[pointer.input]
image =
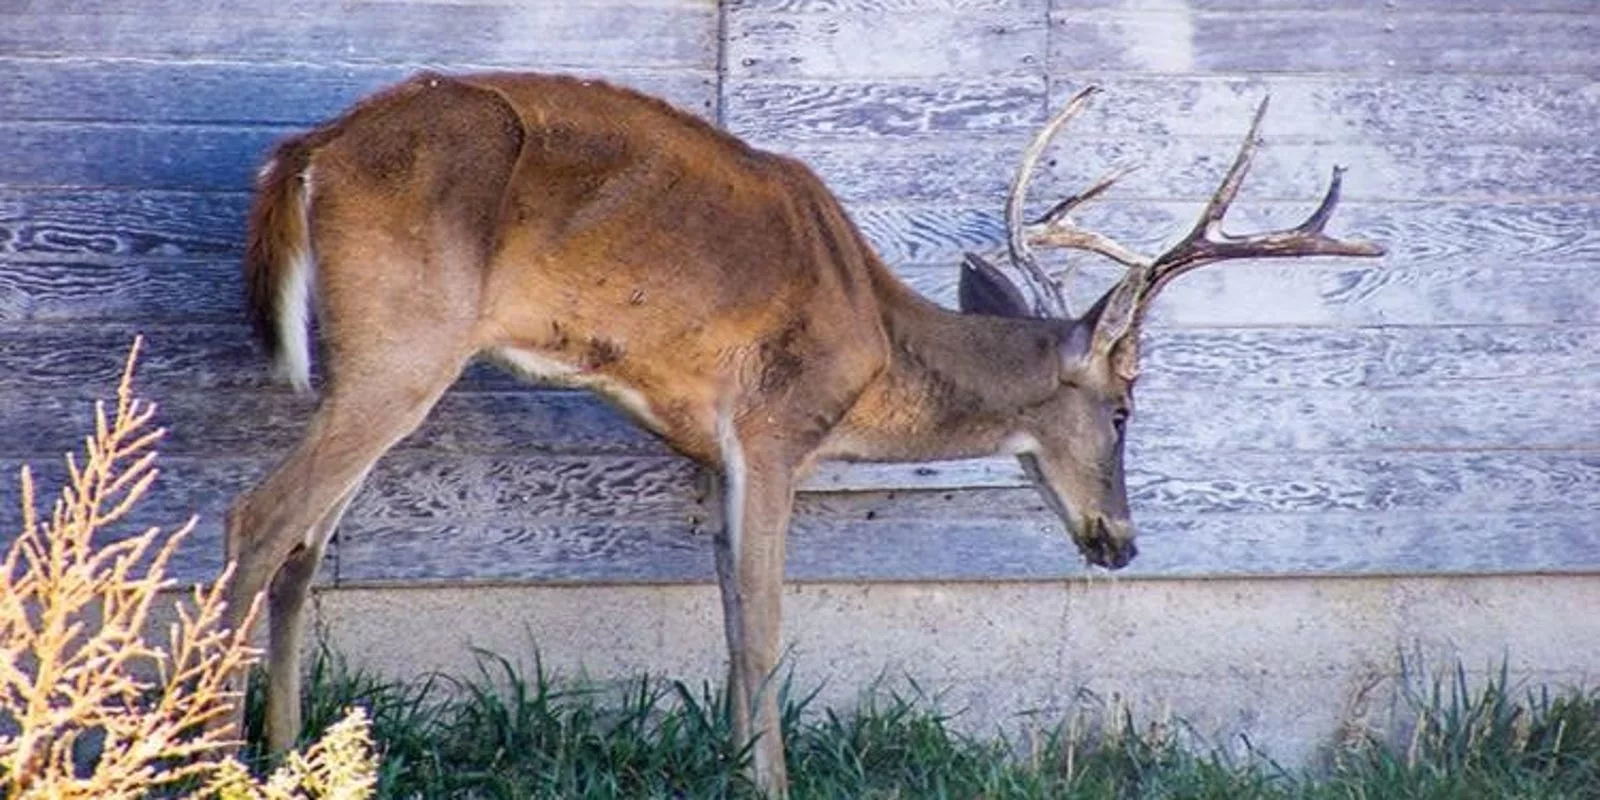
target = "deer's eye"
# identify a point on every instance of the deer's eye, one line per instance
(1119, 420)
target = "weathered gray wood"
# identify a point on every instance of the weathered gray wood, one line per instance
(1306, 41)
(850, 111)
(71, 224)
(1335, 292)
(373, 552)
(139, 290)
(558, 422)
(407, 488)
(76, 223)
(414, 487)
(822, 44)
(1341, 292)
(1340, 107)
(979, 169)
(1213, 545)
(298, 94)
(1387, 6)
(1461, 108)
(267, 424)
(177, 358)
(1371, 357)
(133, 156)
(875, 6)
(546, 35)
(635, 488)
(1189, 481)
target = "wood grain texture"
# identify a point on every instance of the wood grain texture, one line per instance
(141, 156)
(1340, 107)
(1183, 41)
(1461, 108)
(1505, 416)
(782, 111)
(1353, 292)
(145, 291)
(1331, 293)
(549, 35)
(1417, 234)
(77, 223)
(179, 358)
(1196, 546)
(876, 6)
(886, 45)
(1385, 6)
(1281, 482)
(72, 224)
(266, 424)
(298, 94)
(978, 170)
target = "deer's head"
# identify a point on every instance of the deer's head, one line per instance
(1072, 444)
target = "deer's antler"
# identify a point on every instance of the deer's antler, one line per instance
(1205, 243)
(1055, 228)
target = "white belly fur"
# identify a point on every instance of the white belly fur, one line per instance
(540, 368)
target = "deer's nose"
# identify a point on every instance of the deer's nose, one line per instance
(1109, 543)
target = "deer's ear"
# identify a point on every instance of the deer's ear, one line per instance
(984, 290)
(1099, 331)
(1115, 314)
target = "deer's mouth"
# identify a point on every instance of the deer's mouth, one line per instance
(1107, 545)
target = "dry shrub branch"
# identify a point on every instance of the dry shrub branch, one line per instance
(89, 706)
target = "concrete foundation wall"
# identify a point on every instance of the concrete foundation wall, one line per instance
(1289, 664)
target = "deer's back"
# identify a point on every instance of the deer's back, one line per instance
(602, 232)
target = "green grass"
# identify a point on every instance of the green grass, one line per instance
(506, 733)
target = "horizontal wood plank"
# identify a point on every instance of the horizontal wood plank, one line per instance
(1339, 293)
(267, 424)
(1459, 108)
(180, 358)
(783, 111)
(297, 94)
(526, 35)
(1467, 234)
(1483, 108)
(137, 156)
(1184, 41)
(69, 224)
(78, 223)
(1194, 546)
(831, 45)
(412, 488)
(212, 158)
(1312, 293)
(1189, 168)
(736, 7)
(140, 291)
(1166, 481)
(1386, 6)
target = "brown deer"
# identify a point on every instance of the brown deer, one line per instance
(591, 236)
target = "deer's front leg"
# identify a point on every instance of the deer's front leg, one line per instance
(757, 494)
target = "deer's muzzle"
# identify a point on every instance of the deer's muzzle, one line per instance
(1108, 544)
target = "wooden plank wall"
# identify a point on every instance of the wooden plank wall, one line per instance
(1433, 411)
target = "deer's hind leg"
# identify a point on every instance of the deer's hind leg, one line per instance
(278, 531)
(396, 336)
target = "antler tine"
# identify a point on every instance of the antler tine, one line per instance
(1054, 229)
(1207, 243)
(1047, 296)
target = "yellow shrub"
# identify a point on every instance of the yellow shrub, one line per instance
(89, 706)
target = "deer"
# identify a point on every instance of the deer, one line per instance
(586, 235)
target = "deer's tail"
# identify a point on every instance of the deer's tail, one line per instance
(279, 267)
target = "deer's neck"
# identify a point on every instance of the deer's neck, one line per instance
(956, 384)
